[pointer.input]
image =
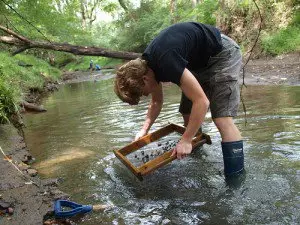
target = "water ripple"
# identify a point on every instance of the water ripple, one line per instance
(89, 119)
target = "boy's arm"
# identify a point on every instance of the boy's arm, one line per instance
(153, 111)
(193, 91)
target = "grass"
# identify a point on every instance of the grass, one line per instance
(8, 99)
(16, 80)
(284, 41)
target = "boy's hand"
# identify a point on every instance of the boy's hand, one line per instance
(140, 134)
(182, 149)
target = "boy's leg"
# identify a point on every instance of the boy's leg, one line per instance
(228, 130)
(232, 146)
(224, 99)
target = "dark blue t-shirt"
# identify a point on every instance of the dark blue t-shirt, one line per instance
(183, 45)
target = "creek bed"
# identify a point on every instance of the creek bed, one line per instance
(85, 122)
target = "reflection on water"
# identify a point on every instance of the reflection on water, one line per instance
(86, 121)
(49, 166)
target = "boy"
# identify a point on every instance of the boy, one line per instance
(205, 64)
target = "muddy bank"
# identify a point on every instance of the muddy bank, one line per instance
(280, 70)
(24, 197)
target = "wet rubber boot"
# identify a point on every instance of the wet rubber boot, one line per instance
(233, 157)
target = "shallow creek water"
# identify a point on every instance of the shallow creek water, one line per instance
(85, 122)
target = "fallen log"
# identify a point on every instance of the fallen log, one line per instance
(25, 43)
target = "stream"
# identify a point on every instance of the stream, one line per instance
(85, 122)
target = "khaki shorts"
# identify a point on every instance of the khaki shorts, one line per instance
(220, 81)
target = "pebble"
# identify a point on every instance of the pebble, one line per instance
(5, 207)
(32, 172)
(23, 166)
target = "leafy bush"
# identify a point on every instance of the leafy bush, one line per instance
(284, 40)
(137, 27)
(204, 12)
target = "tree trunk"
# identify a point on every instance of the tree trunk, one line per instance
(88, 12)
(123, 5)
(83, 15)
(194, 3)
(173, 11)
(25, 43)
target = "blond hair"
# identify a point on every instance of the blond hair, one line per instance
(129, 81)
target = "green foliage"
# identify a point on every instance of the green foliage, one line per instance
(138, 26)
(27, 77)
(204, 12)
(284, 40)
(55, 21)
(136, 23)
(61, 58)
(296, 19)
(16, 80)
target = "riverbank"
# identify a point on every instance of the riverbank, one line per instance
(31, 198)
(280, 70)
(18, 178)
(24, 197)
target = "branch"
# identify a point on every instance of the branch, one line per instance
(243, 69)
(255, 42)
(11, 40)
(93, 8)
(122, 4)
(14, 34)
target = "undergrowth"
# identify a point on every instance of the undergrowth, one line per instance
(18, 75)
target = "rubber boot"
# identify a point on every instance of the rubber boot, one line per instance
(233, 157)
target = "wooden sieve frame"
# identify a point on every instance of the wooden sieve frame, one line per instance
(161, 160)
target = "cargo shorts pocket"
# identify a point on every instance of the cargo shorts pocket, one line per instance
(234, 98)
(225, 98)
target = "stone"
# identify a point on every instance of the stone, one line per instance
(32, 172)
(23, 166)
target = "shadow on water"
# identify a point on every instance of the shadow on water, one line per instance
(85, 122)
